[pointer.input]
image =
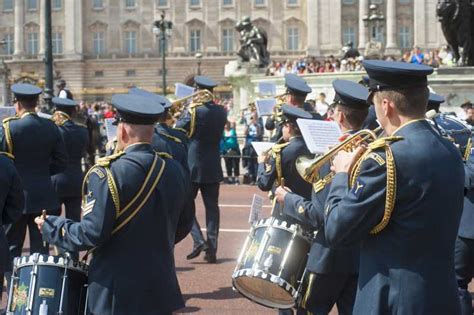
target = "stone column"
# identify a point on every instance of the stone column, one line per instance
(72, 37)
(419, 16)
(313, 29)
(363, 11)
(19, 24)
(392, 48)
(42, 39)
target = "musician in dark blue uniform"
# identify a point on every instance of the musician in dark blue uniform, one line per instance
(133, 214)
(434, 102)
(296, 89)
(39, 152)
(401, 199)
(278, 167)
(11, 206)
(331, 273)
(204, 122)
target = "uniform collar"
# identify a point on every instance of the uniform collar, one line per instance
(407, 124)
(27, 114)
(138, 146)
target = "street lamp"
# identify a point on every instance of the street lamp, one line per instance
(198, 57)
(48, 56)
(373, 21)
(163, 30)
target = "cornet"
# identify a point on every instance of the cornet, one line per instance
(201, 96)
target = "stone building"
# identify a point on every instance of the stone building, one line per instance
(106, 46)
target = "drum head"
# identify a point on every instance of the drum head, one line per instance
(264, 292)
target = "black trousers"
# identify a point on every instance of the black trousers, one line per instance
(210, 196)
(16, 232)
(232, 164)
(72, 207)
(464, 265)
(323, 291)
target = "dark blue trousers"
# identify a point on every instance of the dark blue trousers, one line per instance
(464, 264)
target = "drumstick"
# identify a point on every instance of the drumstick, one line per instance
(43, 216)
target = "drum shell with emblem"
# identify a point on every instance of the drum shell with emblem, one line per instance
(272, 263)
(39, 278)
(455, 130)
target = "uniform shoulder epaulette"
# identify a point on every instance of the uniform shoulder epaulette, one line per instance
(105, 161)
(11, 156)
(175, 139)
(5, 120)
(383, 142)
(164, 155)
(180, 129)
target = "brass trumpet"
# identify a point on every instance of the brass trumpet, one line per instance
(308, 168)
(199, 97)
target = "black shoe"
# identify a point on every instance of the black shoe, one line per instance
(196, 251)
(210, 258)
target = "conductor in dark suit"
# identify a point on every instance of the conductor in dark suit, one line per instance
(133, 214)
(39, 152)
(204, 122)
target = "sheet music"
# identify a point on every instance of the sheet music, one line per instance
(256, 209)
(6, 112)
(265, 106)
(319, 135)
(110, 129)
(182, 90)
(261, 147)
(267, 88)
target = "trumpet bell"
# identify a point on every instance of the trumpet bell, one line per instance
(303, 167)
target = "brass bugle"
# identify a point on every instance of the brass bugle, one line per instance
(308, 168)
(198, 96)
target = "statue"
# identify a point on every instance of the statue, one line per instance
(253, 42)
(457, 22)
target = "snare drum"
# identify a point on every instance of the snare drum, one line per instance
(271, 265)
(455, 130)
(58, 282)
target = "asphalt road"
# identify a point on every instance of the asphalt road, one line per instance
(207, 288)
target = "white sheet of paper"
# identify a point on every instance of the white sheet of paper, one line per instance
(319, 135)
(267, 88)
(6, 112)
(110, 129)
(256, 209)
(261, 147)
(265, 106)
(44, 115)
(182, 90)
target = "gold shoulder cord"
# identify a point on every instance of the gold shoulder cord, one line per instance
(8, 135)
(192, 112)
(8, 154)
(467, 153)
(105, 163)
(175, 139)
(60, 118)
(276, 149)
(391, 192)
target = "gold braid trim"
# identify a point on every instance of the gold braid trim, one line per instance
(175, 139)
(8, 154)
(320, 184)
(467, 152)
(60, 118)
(113, 190)
(164, 155)
(8, 135)
(180, 129)
(276, 152)
(391, 189)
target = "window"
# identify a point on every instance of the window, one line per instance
(377, 33)
(56, 4)
(131, 73)
(227, 2)
(195, 40)
(131, 42)
(404, 37)
(259, 2)
(99, 74)
(31, 4)
(194, 3)
(8, 5)
(349, 35)
(404, 1)
(292, 38)
(227, 40)
(348, 1)
(162, 3)
(9, 47)
(32, 43)
(129, 3)
(292, 2)
(97, 4)
(57, 43)
(99, 43)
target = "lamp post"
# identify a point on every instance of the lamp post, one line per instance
(162, 30)
(48, 55)
(373, 21)
(198, 57)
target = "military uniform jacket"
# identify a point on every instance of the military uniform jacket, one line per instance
(76, 139)
(466, 227)
(39, 152)
(11, 205)
(164, 141)
(407, 255)
(204, 158)
(143, 245)
(322, 258)
(267, 172)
